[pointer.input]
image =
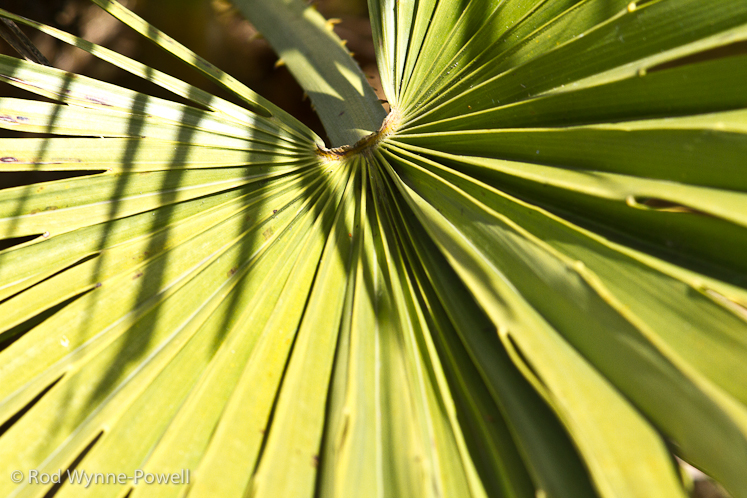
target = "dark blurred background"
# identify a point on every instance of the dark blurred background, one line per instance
(211, 28)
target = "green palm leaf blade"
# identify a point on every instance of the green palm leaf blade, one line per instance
(114, 256)
(131, 154)
(384, 36)
(680, 91)
(458, 20)
(417, 402)
(343, 95)
(729, 333)
(509, 24)
(656, 152)
(256, 102)
(68, 205)
(222, 268)
(87, 92)
(410, 355)
(470, 27)
(555, 366)
(597, 57)
(529, 282)
(550, 459)
(40, 117)
(21, 266)
(103, 457)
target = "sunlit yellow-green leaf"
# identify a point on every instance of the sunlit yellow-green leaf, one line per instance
(528, 280)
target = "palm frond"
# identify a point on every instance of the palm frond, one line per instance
(528, 282)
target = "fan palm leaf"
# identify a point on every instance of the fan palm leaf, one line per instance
(527, 280)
